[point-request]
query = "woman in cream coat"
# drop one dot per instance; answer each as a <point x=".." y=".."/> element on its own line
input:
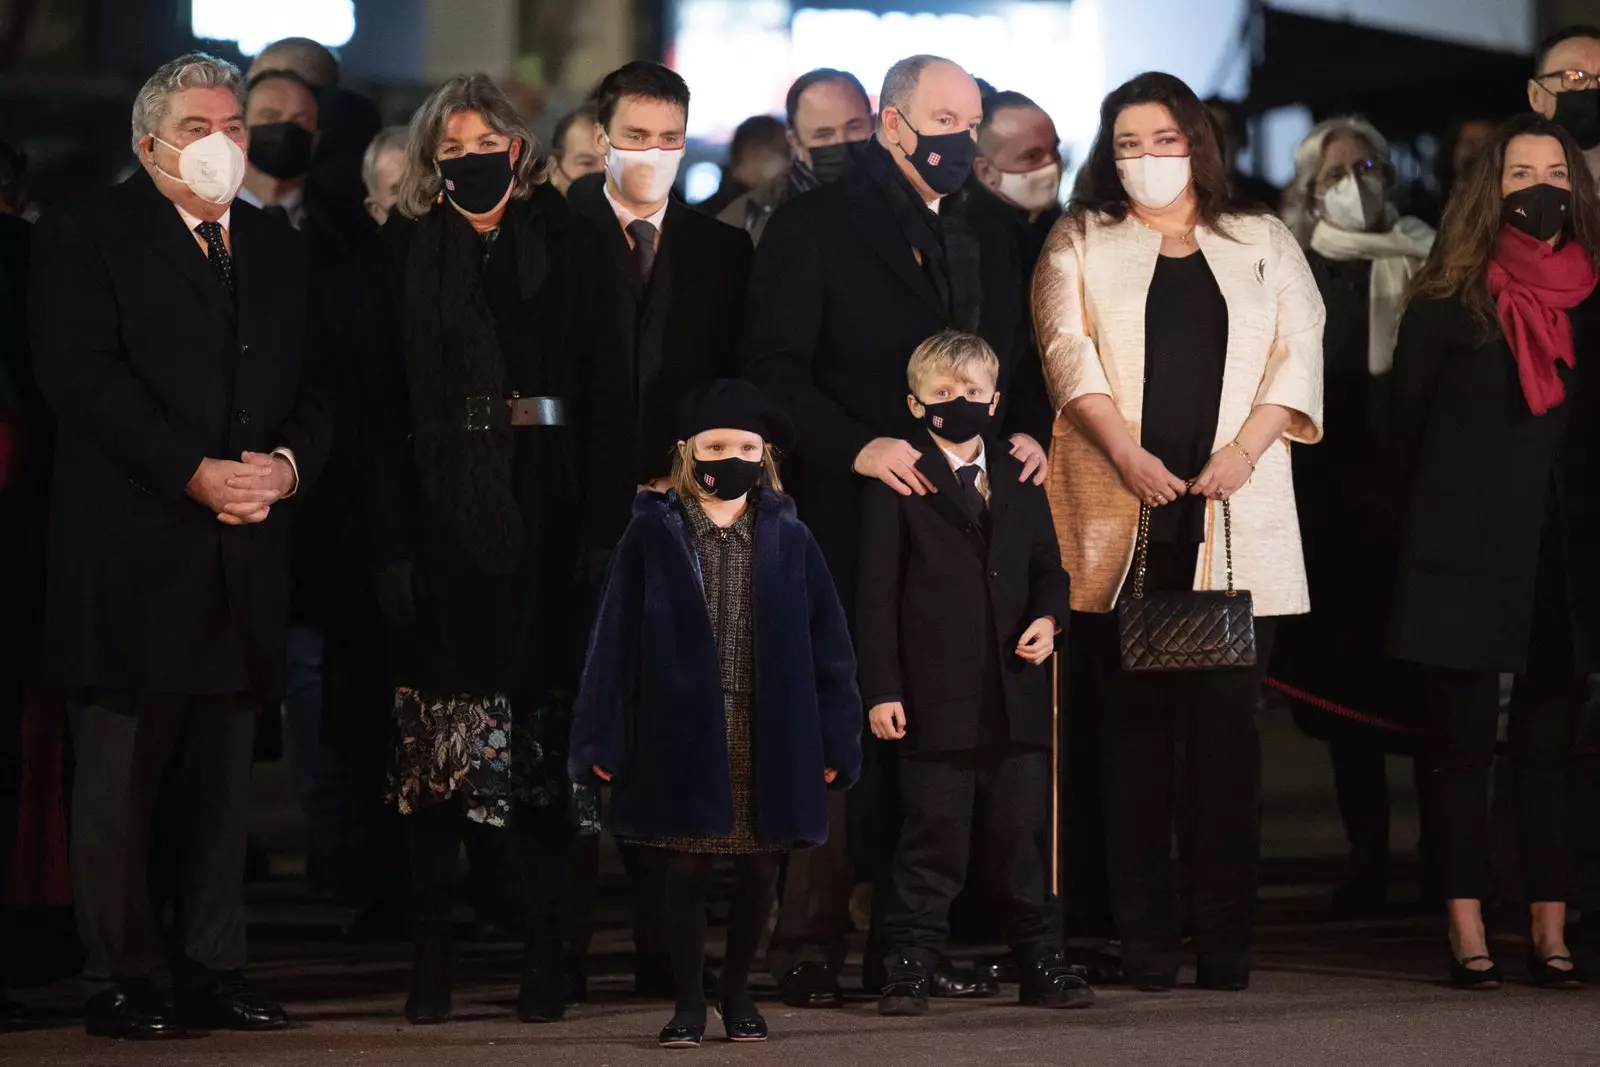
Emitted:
<point x="1182" y="343"/>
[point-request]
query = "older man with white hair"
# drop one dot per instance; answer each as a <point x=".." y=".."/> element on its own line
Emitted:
<point x="167" y="334"/>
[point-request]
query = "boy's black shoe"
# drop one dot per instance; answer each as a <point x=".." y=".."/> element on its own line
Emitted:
<point x="1223" y="973"/>
<point x="906" y="990"/>
<point x="131" y="1011"/>
<point x="542" y="998"/>
<point x="1047" y="982"/>
<point x="952" y="982"/>
<point x="811" y="985"/>
<point x="227" y="1002"/>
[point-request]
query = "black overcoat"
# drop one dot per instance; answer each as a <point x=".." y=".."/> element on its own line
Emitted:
<point x="149" y="366"/>
<point x="1477" y="470"/>
<point x="942" y="602"/>
<point x="837" y="304"/>
<point x="650" y="711"/>
<point x="475" y="632"/>
<point x="655" y="342"/>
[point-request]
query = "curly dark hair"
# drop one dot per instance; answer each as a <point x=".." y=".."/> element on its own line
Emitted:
<point x="1099" y="190"/>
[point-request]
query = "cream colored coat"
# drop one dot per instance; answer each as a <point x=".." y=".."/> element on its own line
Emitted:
<point x="1089" y="296"/>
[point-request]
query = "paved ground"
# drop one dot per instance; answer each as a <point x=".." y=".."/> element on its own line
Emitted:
<point x="1364" y="994"/>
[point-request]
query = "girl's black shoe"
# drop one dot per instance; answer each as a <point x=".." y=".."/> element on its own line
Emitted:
<point x="1464" y="977"/>
<point x="745" y="1024"/>
<point x="1153" y="981"/>
<point x="683" y="1032"/>
<point x="1541" y="974"/>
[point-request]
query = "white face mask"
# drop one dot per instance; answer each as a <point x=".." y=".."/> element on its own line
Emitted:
<point x="645" y="176"/>
<point x="212" y="167"/>
<point x="1033" y="190"/>
<point x="1154" y="182"/>
<point x="1354" y="203"/>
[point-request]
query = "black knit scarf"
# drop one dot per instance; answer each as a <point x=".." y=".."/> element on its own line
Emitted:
<point x="949" y="250"/>
<point x="453" y="356"/>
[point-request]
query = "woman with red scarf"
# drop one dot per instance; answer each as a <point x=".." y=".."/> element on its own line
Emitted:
<point x="1496" y="377"/>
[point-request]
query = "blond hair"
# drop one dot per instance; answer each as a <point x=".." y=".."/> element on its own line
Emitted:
<point x="683" y="471"/>
<point x="951" y="352"/>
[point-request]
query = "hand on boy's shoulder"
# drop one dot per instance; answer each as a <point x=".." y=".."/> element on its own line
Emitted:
<point x="1028" y="452"/>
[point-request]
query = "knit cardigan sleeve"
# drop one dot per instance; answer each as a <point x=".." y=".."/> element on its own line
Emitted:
<point x="1293" y="375"/>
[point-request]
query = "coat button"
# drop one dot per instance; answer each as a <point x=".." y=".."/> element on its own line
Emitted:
<point x="994" y="574"/>
<point x="243" y="349"/>
<point x="242" y="417"/>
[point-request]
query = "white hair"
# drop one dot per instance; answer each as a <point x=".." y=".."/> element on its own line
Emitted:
<point x="194" y="70"/>
<point x="1308" y="164"/>
<point x="389" y="139"/>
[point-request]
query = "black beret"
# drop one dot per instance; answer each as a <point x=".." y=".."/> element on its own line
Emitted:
<point x="734" y="404"/>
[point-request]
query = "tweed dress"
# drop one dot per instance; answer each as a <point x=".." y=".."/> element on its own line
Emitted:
<point x="727" y="566"/>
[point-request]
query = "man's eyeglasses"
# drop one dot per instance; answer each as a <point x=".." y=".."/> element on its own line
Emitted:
<point x="1570" y="81"/>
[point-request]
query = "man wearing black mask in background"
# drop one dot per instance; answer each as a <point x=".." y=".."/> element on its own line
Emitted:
<point x="847" y="282"/>
<point x="1566" y="87"/>
<point x="830" y="116"/>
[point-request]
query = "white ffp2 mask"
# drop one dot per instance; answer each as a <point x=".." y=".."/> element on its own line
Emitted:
<point x="644" y="175"/>
<point x="1154" y="182"/>
<point x="1354" y="203"/>
<point x="1033" y="190"/>
<point x="212" y="167"/>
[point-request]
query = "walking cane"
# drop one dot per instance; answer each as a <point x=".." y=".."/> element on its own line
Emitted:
<point x="1055" y="775"/>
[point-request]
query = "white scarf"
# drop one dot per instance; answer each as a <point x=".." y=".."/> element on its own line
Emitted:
<point x="1396" y="255"/>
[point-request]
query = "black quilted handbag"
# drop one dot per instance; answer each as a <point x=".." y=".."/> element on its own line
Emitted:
<point x="1184" y="630"/>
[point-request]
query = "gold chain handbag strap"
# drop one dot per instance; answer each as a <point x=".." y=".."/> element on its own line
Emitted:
<point x="1141" y="552"/>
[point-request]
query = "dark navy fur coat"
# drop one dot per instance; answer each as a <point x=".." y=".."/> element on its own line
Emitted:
<point x="650" y="710"/>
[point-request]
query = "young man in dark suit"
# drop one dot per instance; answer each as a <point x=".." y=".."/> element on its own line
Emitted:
<point x="167" y="324"/>
<point x="958" y="596"/>
<point x="673" y="288"/>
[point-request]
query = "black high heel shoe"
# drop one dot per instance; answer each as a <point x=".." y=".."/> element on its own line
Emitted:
<point x="1464" y="977"/>
<point x="683" y="1032"/>
<point x="1541" y="974"/>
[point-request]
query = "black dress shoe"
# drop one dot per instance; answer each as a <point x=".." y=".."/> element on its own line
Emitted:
<point x="1224" y="972"/>
<point x="811" y="985"/>
<point x="1154" y="981"/>
<point x="1543" y="975"/>
<point x="743" y="1023"/>
<point x="951" y="982"/>
<point x="228" y="1003"/>
<point x="1464" y="977"/>
<point x="12" y="1015"/>
<point x="906" y="990"/>
<point x="683" y="1032"/>
<point x="1047" y="982"/>
<point x="543" y="996"/>
<point x="131" y="1011"/>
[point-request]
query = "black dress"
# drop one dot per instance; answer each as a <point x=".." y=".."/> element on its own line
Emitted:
<point x="1185" y="351"/>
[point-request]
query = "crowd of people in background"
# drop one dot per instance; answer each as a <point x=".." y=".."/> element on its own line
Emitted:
<point x="535" y="503"/>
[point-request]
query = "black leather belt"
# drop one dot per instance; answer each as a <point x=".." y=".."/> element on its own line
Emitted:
<point x="521" y="411"/>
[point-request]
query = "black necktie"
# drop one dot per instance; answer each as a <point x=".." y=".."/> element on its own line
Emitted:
<point x="644" y="247"/>
<point x="279" y="212"/>
<point x="217" y="253"/>
<point x="971" y="499"/>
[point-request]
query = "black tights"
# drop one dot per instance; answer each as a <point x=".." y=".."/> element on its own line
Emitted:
<point x="688" y="881"/>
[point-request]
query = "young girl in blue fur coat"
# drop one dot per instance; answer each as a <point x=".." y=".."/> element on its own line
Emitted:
<point x="719" y="698"/>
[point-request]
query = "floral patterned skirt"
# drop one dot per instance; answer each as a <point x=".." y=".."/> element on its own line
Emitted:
<point x="469" y="744"/>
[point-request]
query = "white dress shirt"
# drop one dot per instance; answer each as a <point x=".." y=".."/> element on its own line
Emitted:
<point x="624" y="217"/>
<point x="981" y="461"/>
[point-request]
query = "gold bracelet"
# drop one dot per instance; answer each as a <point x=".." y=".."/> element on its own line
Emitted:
<point x="1241" y="450"/>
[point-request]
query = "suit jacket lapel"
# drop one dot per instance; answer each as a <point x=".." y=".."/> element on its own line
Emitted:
<point x="658" y="294"/>
<point x="617" y="251"/>
<point x="162" y="228"/>
<point x="875" y="223"/>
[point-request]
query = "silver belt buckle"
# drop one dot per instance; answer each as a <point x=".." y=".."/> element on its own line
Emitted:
<point x="538" y="411"/>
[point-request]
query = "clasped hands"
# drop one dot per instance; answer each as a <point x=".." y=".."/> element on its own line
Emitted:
<point x="243" y="493"/>
<point x="1147" y="478"/>
<point x="888" y="720"/>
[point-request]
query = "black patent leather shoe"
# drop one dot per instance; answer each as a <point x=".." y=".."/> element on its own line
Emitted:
<point x="1154" y="981"/>
<point x="952" y="982"/>
<point x="1047" y="982"/>
<point x="1545" y="976"/>
<point x="682" y="1032"/>
<point x="906" y="990"/>
<point x="228" y="1003"/>
<point x="811" y="985"/>
<point x="1464" y="977"/>
<point x="131" y="1011"/>
<point x="1232" y="976"/>
<point x="744" y="1025"/>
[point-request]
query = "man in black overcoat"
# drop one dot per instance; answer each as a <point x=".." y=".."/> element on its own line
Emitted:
<point x="167" y="325"/>
<point x="672" y="286"/>
<point x="848" y="280"/>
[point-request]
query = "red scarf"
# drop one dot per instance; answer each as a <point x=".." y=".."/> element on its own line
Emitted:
<point x="1533" y="286"/>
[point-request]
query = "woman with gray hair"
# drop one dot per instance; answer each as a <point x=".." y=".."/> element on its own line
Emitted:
<point x="479" y="327"/>
<point x="1331" y="662"/>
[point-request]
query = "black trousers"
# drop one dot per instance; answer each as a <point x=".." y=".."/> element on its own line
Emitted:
<point x="688" y="882"/>
<point x="1001" y="795"/>
<point x="169" y="773"/>
<point x="1216" y="797"/>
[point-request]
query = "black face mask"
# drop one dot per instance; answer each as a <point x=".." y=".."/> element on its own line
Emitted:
<point x="942" y="159"/>
<point x="830" y="162"/>
<point x="727" y="479"/>
<point x="477" y="181"/>
<point x="1579" y="114"/>
<point x="281" y="149"/>
<point x="1540" y="211"/>
<point x="957" y="420"/>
